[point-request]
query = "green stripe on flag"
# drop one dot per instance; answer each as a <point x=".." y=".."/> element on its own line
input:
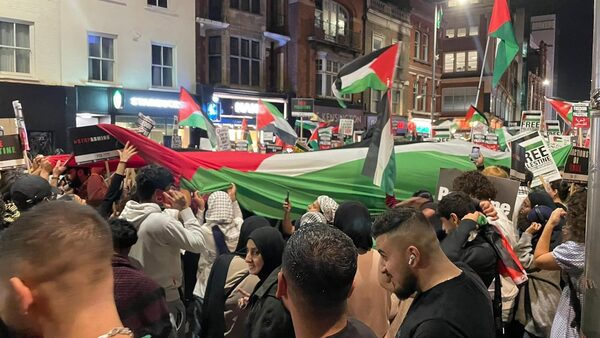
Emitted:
<point x="369" y="81"/>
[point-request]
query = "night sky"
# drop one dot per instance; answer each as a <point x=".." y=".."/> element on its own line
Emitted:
<point x="574" y="62"/>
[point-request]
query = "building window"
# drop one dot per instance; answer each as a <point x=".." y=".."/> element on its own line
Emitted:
<point x="456" y="3"/>
<point x="450" y="33"/>
<point x="251" y="6"/>
<point x="101" y="60"/>
<point x="424" y="96"/>
<point x="460" y="62"/>
<point x="417" y="46"/>
<point x="396" y="102"/>
<point x="472" y="61"/>
<point x="158" y="3"/>
<point x="378" y="41"/>
<point x="474" y="31"/>
<point x="458" y="99"/>
<point x="425" y="47"/>
<point x="162" y="66"/>
<point x="214" y="60"/>
<point x="415" y="93"/>
<point x="244" y="62"/>
<point x="375" y="98"/>
<point x="448" y="62"/>
<point x="327" y="71"/>
<point x="333" y="18"/>
<point x="461" y="32"/>
<point x="15" y="47"/>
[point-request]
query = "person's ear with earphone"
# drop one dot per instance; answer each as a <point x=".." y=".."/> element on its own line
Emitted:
<point x="411" y="259"/>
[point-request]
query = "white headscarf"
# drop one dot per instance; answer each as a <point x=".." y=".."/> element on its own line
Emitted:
<point x="328" y="207"/>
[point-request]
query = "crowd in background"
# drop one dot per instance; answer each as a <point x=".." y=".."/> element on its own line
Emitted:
<point x="86" y="254"/>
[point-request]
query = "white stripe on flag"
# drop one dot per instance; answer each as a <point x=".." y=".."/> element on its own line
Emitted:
<point x="356" y="75"/>
<point x="386" y="146"/>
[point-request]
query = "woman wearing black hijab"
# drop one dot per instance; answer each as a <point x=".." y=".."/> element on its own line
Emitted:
<point x="268" y="317"/>
<point x="221" y="315"/>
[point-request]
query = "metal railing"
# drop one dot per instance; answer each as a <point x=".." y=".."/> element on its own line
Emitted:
<point x="389" y="9"/>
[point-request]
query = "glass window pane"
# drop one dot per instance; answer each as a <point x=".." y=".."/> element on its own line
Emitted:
<point x="234" y="3"/>
<point x="255" y="50"/>
<point x="245" y="5"/>
<point x="214" y="69"/>
<point x="23" y="60"/>
<point x="167" y="56"/>
<point x="473" y="31"/>
<point x="7" y="34"/>
<point x="22" y="35"/>
<point x="256" y="6"/>
<point x="94" y="69"/>
<point x="448" y="63"/>
<point x="450" y="33"/>
<point x="107" y="48"/>
<point x="234" y="65"/>
<point x="234" y="44"/>
<point x="107" y="71"/>
<point x="461" y="32"/>
<point x="328" y="81"/>
<point x="167" y="77"/>
<point x="245" y="48"/>
<point x="319" y="85"/>
<point x="245" y="72"/>
<point x="329" y="66"/>
<point x="7" y="59"/>
<point x="472" y="62"/>
<point x="156" y="76"/>
<point x="162" y="3"/>
<point x="152" y="2"/>
<point x="214" y="45"/>
<point x="460" y="62"/>
<point x="255" y="73"/>
<point x="156" y="55"/>
<point x="94" y="45"/>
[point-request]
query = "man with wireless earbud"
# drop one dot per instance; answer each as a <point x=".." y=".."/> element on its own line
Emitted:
<point x="450" y="299"/>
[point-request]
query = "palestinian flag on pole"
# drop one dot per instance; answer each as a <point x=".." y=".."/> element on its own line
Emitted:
<point x="373" y="71"/>
<point x="190" y="115"/>
<point x="501" y="28"/>
<point x="268" y="114"/>
<point x="264" y="179"/>
<point x="245" y="132"/>
<point x="380" y="163"/>
<point x="473" y="115"/>
<point x="563" y="108"/>
<point x="307" y="125"/>
<point x="313" y="141"/>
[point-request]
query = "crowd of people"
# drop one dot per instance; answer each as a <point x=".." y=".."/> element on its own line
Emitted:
<point x="86" y="254"/>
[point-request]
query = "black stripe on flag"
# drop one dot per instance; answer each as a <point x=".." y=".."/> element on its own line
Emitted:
<point x="373" y="153"/>
<point x="358" y="64"/>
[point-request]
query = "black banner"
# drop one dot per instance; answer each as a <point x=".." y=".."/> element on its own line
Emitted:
<point x="92" y="144"/>
<point x="576" y="168"/>
<point x="11" y="151"/>
<point x="507" y="190"/>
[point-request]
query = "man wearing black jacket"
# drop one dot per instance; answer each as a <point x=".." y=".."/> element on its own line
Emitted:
<point x="465" y="240"/>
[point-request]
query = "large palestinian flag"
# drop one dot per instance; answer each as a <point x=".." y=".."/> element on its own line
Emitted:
<point x="501" y="28"/>
<point x="264" y="179"/>
<point x="373" y="71"/>
<point x="473" y="115"/>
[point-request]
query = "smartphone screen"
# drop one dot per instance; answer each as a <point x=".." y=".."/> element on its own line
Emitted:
<point x="475" y="152"/>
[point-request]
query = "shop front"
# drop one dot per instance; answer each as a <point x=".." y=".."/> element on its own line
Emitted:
<point x="122" y="107"/>
<point x="333" y="114"/>
<point x="229" y="108"/>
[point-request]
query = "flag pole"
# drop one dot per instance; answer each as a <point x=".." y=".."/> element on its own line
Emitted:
<point x="483" y="63"/>
<point x="590" y="326"/>
<point x="435" y="34"/>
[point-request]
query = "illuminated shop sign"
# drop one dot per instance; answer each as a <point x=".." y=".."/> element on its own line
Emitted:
<point x="242" y="107"/>
<point x="154" y="103"/>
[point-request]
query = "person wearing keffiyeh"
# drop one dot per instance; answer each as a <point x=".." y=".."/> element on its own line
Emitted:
<point x="221" y="230"/>
<point x="325" y="205"/>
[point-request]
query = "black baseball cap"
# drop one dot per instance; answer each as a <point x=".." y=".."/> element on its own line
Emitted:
<point x="29" y="190"/>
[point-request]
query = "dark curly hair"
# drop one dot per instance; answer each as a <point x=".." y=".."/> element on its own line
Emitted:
<point x="476" y="185"/>
<point x="575" y="226"/>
